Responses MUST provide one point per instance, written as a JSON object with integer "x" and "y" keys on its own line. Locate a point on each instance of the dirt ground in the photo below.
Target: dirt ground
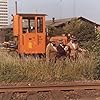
{"x": 90, "y": 98}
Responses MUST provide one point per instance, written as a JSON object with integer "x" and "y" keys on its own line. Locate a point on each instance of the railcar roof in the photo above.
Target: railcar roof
{"x": 30, "y": 15}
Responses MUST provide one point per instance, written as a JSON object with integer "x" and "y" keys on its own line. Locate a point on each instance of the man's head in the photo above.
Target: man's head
{"x": 52, "y": 41}
{"x": 60, "y": 41}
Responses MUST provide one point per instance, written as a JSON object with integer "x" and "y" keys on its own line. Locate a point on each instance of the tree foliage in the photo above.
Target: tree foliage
{"x": 83, "y": 30}
{"x": 53, "y": 31}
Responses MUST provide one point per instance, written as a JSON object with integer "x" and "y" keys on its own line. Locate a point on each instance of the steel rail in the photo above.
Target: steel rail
{"x": 61, "y": 87}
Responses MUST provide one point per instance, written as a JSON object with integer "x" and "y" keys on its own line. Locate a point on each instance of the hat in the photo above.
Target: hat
{"x": 60, "y": 40}
{"x": 51, "y": 39}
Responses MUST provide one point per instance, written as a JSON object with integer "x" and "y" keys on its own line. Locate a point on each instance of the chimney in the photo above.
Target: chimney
{"x": 53, "y": 19}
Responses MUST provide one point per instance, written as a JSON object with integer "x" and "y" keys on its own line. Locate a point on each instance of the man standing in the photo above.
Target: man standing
{"x": 73, "y": 48}
{"x": 51, "y": 51}
{"x": 60, "y": 48}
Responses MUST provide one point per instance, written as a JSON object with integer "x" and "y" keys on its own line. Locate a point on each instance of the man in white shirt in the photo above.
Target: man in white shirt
{"x": 73, "y": 48}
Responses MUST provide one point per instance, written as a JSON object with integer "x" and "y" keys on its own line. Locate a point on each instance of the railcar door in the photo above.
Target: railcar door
{"x": 40, "y": 34}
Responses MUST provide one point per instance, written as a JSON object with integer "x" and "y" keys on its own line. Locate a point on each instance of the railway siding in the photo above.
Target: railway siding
{"x": 49, "y": 91}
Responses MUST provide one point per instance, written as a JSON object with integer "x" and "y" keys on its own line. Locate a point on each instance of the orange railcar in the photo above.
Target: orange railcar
{"x": 30, "y": 32}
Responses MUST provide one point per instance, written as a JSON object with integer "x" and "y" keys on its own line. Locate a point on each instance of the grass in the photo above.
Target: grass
{"x": 14, "y": 69}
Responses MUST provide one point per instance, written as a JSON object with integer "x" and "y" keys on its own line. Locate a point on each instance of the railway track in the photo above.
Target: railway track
{"x": 53, "y": 91}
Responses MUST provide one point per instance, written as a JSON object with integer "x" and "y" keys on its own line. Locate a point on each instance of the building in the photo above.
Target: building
{"x": 3, "y": 13}
{"x": 62, "y": 22}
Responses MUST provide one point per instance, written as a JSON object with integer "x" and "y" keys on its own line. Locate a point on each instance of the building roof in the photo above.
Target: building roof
{"x": 59, "y": 22}
{"x": 85, "y": 19}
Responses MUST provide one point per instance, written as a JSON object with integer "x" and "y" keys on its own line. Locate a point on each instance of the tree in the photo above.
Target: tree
{"x": 53, "y": 31}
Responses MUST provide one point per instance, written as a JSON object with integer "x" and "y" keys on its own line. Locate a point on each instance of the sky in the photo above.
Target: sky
{"x": 89, "y": 9}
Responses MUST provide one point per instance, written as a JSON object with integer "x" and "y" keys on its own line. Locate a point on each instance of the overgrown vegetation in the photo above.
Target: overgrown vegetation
{"x": 13, "y": 69}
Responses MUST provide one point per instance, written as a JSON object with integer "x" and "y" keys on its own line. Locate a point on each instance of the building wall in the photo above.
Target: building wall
{"x": 3, "y": 13}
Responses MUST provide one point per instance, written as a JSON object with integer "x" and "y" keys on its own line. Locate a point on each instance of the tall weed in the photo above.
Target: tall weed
{"x": 14, "y": 69}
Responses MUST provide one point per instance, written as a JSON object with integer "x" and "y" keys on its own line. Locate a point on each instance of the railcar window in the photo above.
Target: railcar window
{"x": 28, "y": 25}
{"x": 39, "y": 24}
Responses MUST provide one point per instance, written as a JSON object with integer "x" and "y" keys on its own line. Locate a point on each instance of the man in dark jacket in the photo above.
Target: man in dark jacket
{"x": 60, "y": 48}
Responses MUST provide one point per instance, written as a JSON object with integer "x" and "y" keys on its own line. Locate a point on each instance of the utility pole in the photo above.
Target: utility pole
{"x": 16, "y": 9}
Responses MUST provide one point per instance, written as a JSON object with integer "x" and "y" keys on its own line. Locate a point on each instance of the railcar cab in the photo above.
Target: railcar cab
{"x": 29, "y": 29}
